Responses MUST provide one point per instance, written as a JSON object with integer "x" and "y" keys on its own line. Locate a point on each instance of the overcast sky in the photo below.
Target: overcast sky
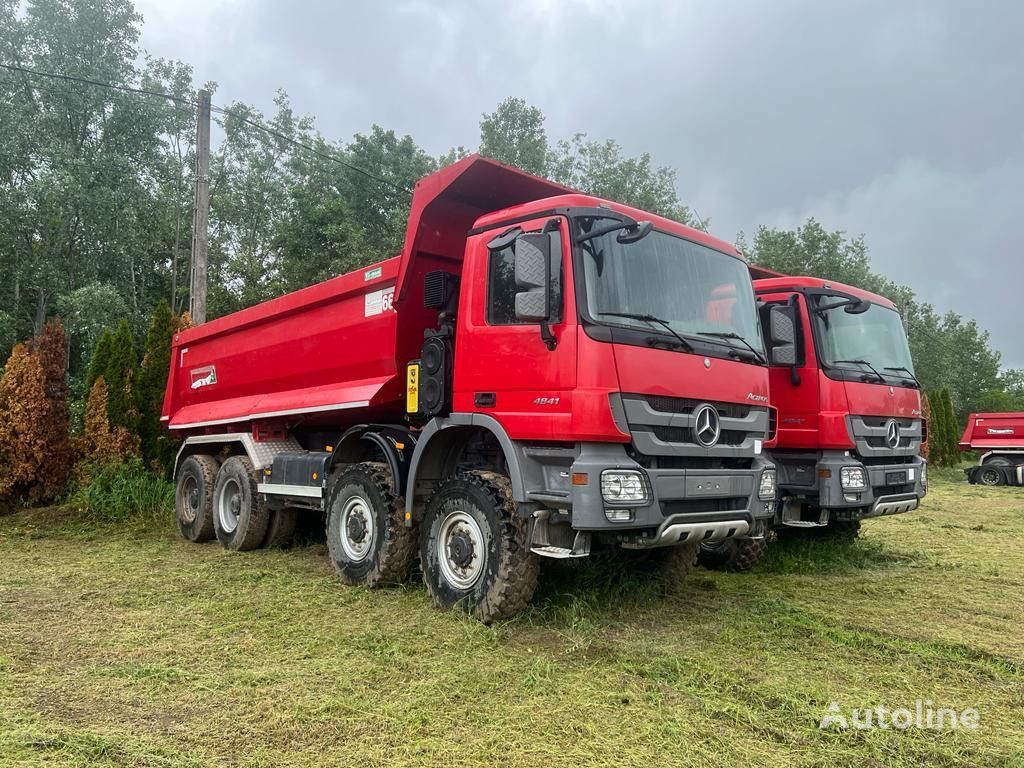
{"x": 902, "y": 121}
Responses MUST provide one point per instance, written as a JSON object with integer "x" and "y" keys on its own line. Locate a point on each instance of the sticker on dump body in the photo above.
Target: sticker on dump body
{"x": 412, "y": 388}
{"x": 372, "y": 274}
{"x": 377, "y": 302}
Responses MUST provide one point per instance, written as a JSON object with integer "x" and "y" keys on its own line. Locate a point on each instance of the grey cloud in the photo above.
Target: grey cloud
{"x": 901, "y": 121}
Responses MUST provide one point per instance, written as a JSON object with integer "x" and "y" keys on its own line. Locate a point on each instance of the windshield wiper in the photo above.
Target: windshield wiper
{"x": 906, "y": 370}
{"x": 652, "y": 319}
{"x": 730, "y": 335}
{"x": 881, "y": 378}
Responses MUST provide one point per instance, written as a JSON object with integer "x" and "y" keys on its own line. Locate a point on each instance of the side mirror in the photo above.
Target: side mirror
{"x": 532, "y": 259}
{"x": 782, "y": 335}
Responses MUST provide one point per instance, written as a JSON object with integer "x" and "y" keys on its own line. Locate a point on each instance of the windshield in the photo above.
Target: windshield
{"x": 876, "y": 336}
{"x": 694, "y": 289}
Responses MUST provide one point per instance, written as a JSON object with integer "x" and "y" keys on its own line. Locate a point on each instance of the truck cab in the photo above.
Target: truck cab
{"x": 850, "y": 424}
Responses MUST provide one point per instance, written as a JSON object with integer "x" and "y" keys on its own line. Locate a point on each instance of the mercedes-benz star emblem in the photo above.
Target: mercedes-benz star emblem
{"x": 707, "y": 426}
{"x": 892, "y": 433}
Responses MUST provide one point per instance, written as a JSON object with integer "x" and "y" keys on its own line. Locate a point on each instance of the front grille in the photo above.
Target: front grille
{"x": 689, "y": 405}
{"x": 870, "y": 436}
{"x": 892, "y": 490}
{"x": 878, "y": 461}
{"x": 698, "y": 506}
{"x": 685, "y": 435}
{"x": 664, "y": 426}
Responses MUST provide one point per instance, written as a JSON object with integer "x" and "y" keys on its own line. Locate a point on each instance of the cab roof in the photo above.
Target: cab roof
{"x": 580, "y": 200}
{"x": 789, "y": 284}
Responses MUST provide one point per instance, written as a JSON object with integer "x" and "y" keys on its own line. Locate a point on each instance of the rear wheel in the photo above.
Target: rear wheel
{"x": 733, "y": 555}
{"x": 992, "y": 470}
{"x": 193, "y": 497}
{"x": 474, "y": 550}
{"x": 367, "y": 540}
{"x": 241, "y": 516}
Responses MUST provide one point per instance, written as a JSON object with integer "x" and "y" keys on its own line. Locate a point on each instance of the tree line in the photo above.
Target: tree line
{"x": 96, "y": 203}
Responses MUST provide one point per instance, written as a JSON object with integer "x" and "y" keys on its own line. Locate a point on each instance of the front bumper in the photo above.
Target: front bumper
{"x": 683, "y": 504}
{"x": 891, "y": 488}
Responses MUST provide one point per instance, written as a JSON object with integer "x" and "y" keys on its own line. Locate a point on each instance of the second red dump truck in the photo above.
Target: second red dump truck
{"x": 999, "y": 438}
{"x": 537, "y": 373}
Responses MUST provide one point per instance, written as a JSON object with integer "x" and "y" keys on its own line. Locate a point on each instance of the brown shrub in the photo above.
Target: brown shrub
{"x": 24, "y": 411}
{"x": 100, "y": 443}
{"x": 50, "y": 347}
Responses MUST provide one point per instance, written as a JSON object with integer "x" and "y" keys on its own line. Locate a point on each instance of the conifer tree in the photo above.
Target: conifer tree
{"x": 100, "y": 443}
{"x": 937, "y": 431}
{"x": 50, "y": 347}
{"x": 952, "y": 449}
{"x": 23, "y": 414}
{"x": 100, "y": 358}
{"x": 120, "y": 376}
{"x": 157, "y": 446}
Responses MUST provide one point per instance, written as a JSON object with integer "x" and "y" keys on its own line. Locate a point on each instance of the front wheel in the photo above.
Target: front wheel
{"x": 732, "y": 555}
{"x": 473, "y": 549}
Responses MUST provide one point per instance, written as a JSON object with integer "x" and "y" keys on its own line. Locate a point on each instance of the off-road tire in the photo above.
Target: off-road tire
{"x": 840, "y": 530}
{"x": 509, "y": 572}
{"x": 732, "y": 555}
{"x": 281, "y": 528}
{"x": 393, "y": 547}
{"x": 253, "y": 514}
{"x": 675, "y": 563}
{"x": 196, "y": 523}
{"x": 991, "y": 472}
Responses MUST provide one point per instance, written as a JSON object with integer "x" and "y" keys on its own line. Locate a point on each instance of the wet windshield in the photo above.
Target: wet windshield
{"x": 695, "y": 290}
{"x": 876, "y": 336}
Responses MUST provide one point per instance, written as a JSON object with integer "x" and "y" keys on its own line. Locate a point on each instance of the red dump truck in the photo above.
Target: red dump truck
{"x": 850, "y": 426}
{"x": 999, "y": 438}
{"x": 538, "y": 371}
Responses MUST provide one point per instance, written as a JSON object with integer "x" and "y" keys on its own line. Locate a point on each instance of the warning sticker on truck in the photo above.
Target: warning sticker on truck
{"x": 377, "y": 302}
{"x": 412, "y": 388}
{"x": 371, "y": 274}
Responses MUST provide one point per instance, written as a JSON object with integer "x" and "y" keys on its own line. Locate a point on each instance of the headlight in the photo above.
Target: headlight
{"x": 853, "y": 478}
{"x": 623, "y": 486}
{"x": 766, "y": 489}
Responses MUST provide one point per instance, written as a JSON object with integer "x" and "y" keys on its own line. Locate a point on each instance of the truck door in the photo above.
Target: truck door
{"x": 502, "y": 366}
{"x": 797, "y": 396}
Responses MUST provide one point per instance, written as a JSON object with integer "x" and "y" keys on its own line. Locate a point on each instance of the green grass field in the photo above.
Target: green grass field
{"x": 128, "y": 646}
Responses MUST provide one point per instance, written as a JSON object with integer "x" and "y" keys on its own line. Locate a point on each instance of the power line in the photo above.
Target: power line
{"x": 87, "y": 81}
{"x": 313, "y": 150}
{"x": 220, "y": 110}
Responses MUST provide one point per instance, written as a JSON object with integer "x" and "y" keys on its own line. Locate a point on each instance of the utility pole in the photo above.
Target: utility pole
{"x": 201, "y": 219}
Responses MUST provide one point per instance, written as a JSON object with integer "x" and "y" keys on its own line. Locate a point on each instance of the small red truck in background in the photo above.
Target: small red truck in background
{"x": 537, "y": 372}
{"x": 850, "y": 426}
{"x": 999, "y": 438}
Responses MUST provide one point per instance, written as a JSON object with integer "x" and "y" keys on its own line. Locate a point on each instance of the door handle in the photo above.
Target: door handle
{"x": 484, "y": 399}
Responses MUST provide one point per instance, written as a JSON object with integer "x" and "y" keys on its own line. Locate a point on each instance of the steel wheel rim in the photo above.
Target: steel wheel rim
{"x": 357, "y": 529}
{"x": 229, "y": 505}
{"x": 189, "y": 499}
{"x": 990, "y": 477}
{"x": 458, "y": 529}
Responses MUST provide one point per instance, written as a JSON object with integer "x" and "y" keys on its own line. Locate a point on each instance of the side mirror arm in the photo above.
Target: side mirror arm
{"x": 545, "y": 326}
{"x": 794, "y": 374}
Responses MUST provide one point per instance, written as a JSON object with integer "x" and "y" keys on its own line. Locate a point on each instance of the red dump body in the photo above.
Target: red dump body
{"x": 339, "y": 345}
{"x": 993, "y": 432}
